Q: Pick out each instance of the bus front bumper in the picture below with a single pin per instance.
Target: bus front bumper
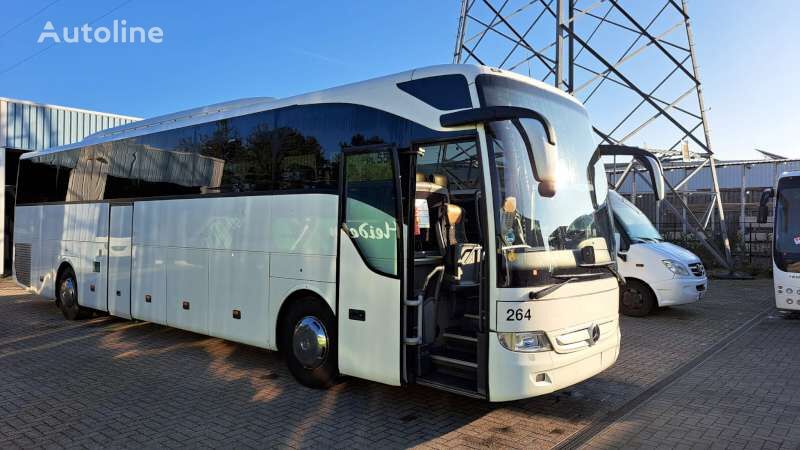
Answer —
(517, 375)
(785, 302)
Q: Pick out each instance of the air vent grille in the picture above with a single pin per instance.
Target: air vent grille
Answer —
(22, 263)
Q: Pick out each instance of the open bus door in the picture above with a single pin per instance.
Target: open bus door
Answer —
(370, 264)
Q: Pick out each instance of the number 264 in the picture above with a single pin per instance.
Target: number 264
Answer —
(518, 314)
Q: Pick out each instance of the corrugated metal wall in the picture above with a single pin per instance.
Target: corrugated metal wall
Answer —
(750, 240)
(758, 174)
(30, 126)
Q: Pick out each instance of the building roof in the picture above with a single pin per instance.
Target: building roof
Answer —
(66, 108)
(26, 125)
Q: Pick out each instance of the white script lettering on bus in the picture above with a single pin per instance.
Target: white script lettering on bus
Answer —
(367, 231)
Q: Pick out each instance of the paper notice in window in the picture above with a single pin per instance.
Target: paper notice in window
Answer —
(424, 216)
(797, 240)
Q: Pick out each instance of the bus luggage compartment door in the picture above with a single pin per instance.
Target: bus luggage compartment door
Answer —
(119, 260)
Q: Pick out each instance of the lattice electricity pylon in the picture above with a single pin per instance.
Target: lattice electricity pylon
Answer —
(633, 66)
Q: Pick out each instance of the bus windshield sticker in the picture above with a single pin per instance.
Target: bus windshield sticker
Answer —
(422, 213)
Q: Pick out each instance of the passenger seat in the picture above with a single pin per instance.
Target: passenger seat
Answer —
(464, 258)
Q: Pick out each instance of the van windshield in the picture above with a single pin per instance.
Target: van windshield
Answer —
(632, 220)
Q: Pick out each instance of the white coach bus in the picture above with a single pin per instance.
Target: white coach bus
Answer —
(428, 227)
(785, 239)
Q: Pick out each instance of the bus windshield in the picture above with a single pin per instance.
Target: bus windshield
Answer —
(633, 221)
(787, 225)
(540, 239)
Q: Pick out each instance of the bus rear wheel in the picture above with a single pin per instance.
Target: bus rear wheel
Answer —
(309, 343)
(636, 299)
(67, 296)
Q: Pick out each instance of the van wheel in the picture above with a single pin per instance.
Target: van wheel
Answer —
(309, 343)
(636, 299)
(67, 296)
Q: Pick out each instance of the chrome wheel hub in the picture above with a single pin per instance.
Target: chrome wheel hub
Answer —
(69, 294)
(310, 342)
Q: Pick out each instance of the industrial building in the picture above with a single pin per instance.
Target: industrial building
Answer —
(741, 183)
(27, 126)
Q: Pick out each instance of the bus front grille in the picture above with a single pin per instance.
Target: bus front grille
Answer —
(22, 263)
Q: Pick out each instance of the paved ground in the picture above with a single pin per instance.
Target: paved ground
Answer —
(109, 383)
(745, 396)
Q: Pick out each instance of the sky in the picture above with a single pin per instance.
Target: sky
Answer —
(215, 51)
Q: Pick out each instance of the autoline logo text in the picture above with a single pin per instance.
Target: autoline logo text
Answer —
(119, 33)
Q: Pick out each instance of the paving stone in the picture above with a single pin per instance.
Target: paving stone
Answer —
(109, 383)
(738, 387)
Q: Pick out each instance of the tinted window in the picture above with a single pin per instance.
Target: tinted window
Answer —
(244, 146)
(444, 92)
(39, 183)
(292, 148)
(371, 208)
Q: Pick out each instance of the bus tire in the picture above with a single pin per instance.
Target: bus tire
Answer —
(636, 299)
(309, 343)
(67, 296)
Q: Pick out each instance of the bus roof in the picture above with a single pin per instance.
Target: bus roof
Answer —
(377, 92)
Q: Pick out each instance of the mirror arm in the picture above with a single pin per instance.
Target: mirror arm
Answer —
(766, 195)
(641, 155)
(496, 114)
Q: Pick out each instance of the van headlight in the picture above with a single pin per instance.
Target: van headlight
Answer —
(529, 342)
(676, 267)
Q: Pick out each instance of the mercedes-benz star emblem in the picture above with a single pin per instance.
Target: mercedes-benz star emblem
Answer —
(594, 330)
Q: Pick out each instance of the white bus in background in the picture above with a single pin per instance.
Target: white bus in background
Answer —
(416, 228)
(657, 273)
(785, 239)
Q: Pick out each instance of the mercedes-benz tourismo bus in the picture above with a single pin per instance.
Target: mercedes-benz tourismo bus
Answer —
(427, 227)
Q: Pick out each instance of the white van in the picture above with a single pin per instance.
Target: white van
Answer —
(657, 273)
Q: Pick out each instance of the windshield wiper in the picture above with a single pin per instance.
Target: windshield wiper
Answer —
(610, 267)
(549, 290)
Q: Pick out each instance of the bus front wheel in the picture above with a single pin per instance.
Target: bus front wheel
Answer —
(67, 296)
(309, 343)
(636, 299)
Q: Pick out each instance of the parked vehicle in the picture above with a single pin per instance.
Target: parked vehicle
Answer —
(415, 228)
(657, 273)
(785, 239)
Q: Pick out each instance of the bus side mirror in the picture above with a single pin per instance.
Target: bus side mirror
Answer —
(643, 157)
(653, 166)
(544, 151)
(545, 156)
(763, 210)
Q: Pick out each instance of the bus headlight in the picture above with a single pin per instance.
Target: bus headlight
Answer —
(529, 342)
(676, 267)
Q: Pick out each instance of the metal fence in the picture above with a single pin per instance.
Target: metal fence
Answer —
(751, 242)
